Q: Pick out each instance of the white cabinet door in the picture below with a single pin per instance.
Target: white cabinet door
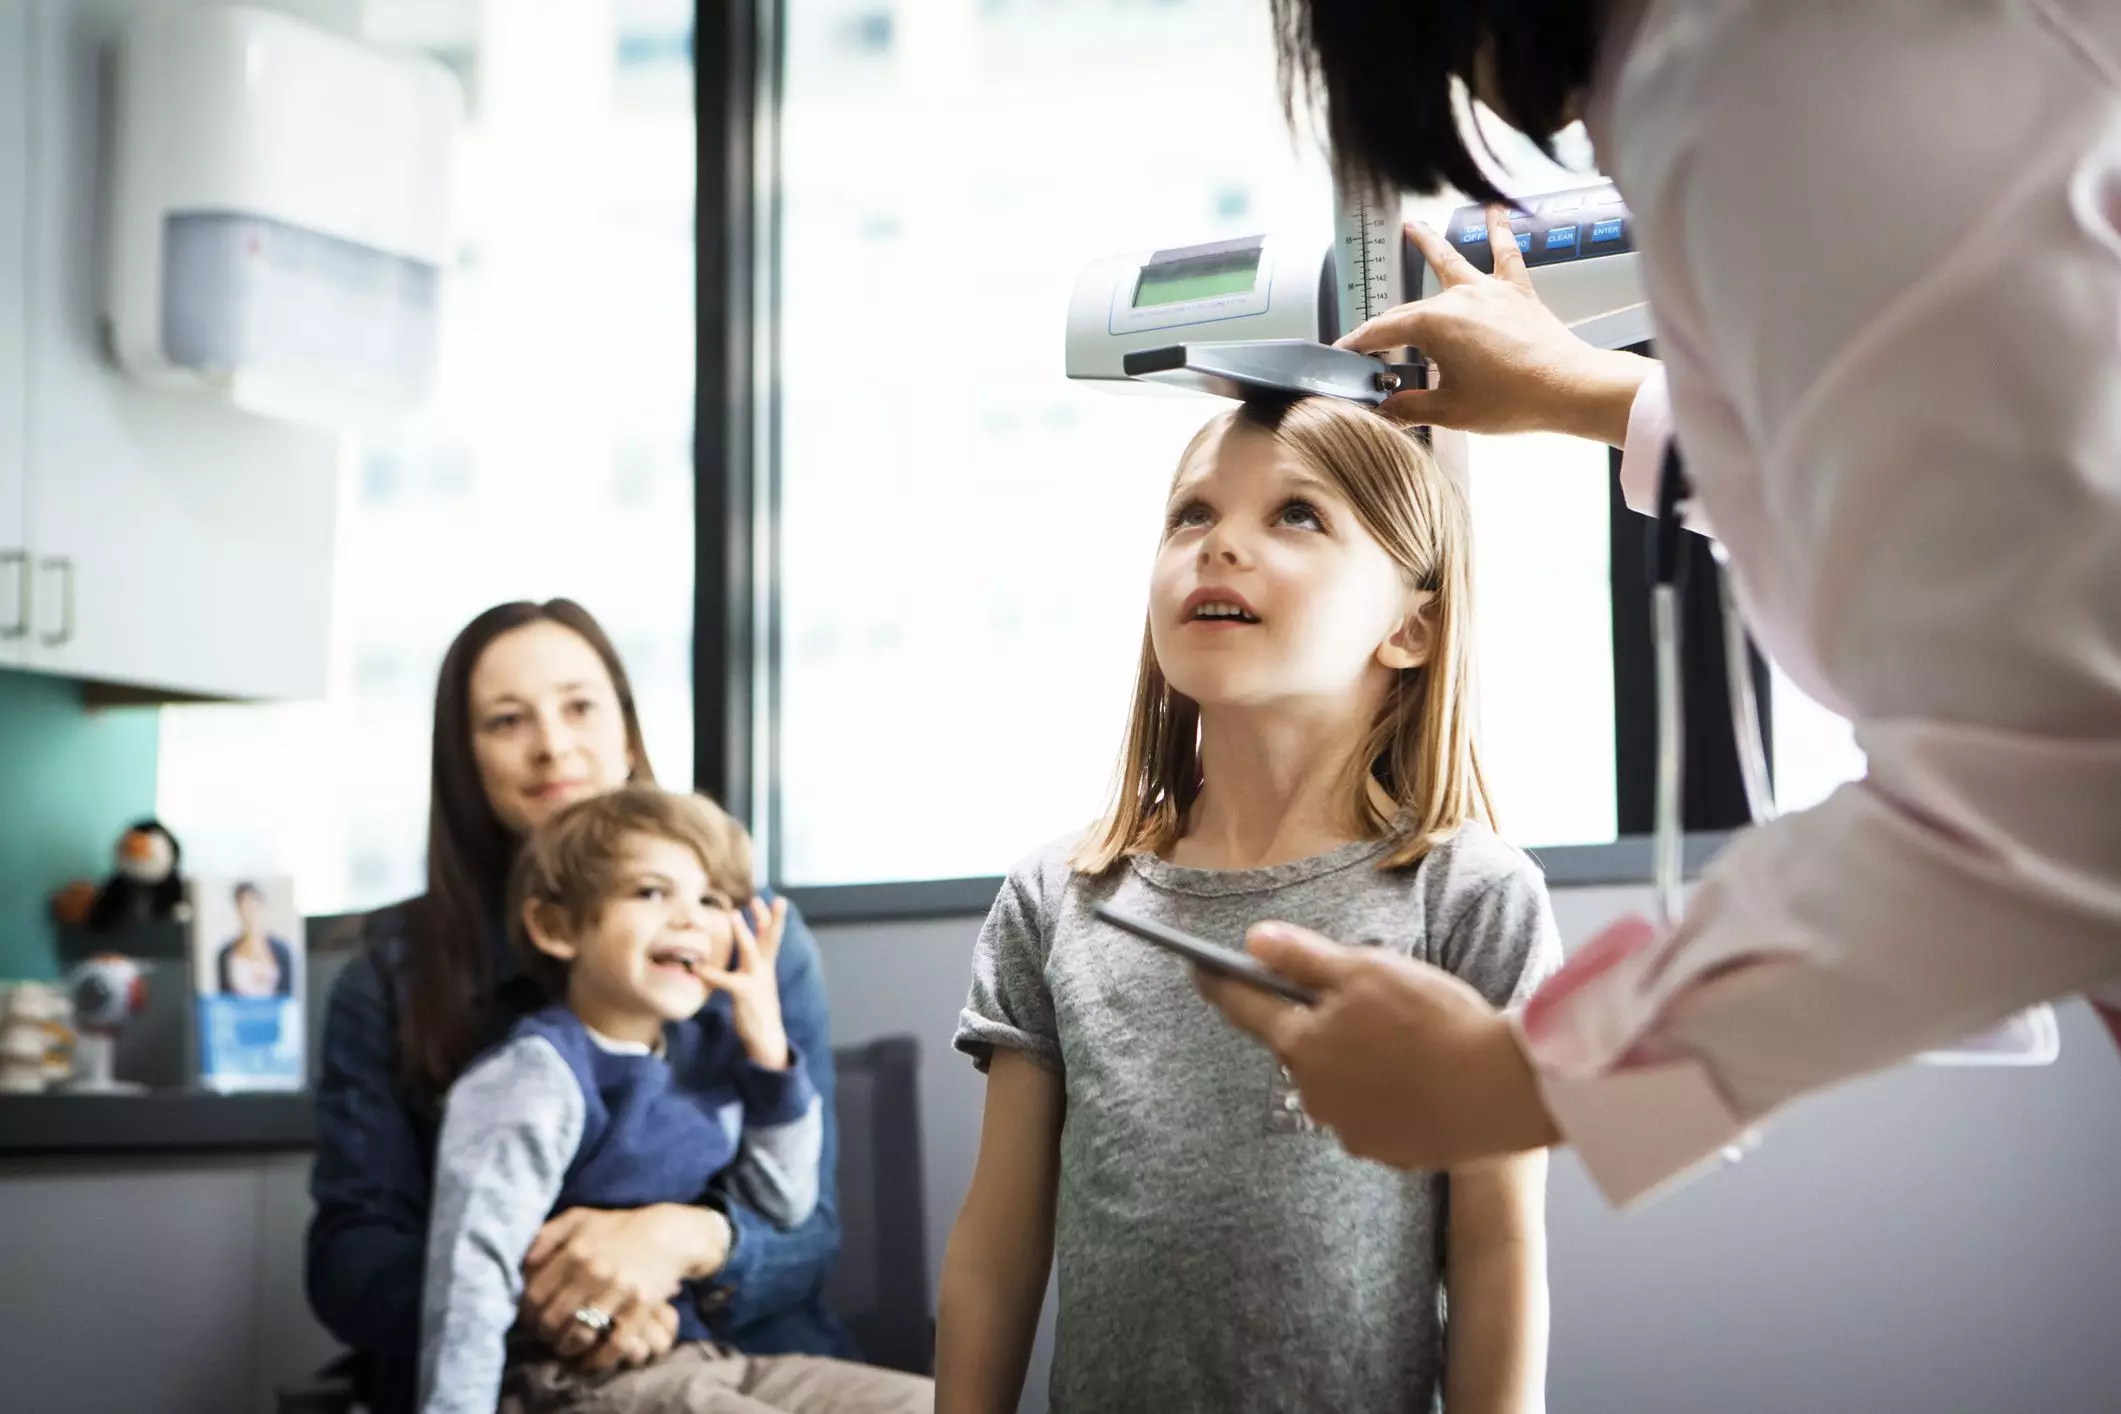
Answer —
(14, 283)
(180, 545)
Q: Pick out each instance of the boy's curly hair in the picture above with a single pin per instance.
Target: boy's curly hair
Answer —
(570, 865)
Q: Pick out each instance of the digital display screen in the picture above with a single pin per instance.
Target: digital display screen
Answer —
(1197, 277)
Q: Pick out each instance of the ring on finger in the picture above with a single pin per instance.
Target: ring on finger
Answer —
(595, 1319)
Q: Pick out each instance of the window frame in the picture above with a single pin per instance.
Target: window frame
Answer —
(738, 54)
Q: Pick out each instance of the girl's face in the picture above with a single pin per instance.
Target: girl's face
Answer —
(1269, 590)
(546, 724)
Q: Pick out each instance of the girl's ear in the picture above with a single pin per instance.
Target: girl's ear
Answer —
(545, 925)
(1410, 644)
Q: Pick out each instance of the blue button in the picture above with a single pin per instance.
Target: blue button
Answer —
(1604, 231)
(1562, 238)
(1524, 240)
(1473, 235)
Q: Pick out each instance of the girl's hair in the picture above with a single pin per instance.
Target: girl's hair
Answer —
(1383, 73)
(571, 863)
(1417, 776)
(446, 977)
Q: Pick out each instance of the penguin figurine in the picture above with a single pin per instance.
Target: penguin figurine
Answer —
(145, 885)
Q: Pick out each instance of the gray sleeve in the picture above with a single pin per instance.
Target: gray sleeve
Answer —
(510, 1128)
(776, 1167)
(1505, 942)
(1009, 1005)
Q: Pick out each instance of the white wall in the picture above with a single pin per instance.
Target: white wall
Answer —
(1925, 1242)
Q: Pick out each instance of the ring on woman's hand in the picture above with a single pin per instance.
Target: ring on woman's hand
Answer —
(595, 1318)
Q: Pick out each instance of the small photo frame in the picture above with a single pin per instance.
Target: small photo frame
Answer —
(249, 974)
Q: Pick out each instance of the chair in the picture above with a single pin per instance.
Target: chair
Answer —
(879, 1286)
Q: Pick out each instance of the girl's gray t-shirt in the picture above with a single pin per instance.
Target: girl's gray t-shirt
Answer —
(1217, 1251)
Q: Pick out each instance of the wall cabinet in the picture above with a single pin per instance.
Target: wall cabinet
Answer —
(159, 540)
(15, 570)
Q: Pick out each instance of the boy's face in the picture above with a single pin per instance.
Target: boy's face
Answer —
(628, 971)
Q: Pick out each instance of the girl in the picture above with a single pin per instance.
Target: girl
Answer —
(1300, 747)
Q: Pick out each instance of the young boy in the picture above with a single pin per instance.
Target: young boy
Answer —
(630, 1090)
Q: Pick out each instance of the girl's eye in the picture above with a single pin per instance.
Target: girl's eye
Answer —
(1185, 516)
(1301, 515)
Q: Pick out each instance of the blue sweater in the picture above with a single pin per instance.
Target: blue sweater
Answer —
(557, 1117)
(375, 1157)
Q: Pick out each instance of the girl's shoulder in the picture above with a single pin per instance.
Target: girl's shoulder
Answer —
(1488, 919)
(1042, 878)
(1475, 859)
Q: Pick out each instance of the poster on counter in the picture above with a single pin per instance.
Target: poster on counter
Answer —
(248, 966)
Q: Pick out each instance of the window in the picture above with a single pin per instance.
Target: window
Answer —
(1544, 605)
(964, 537)
(556, 460)
(1814, 750)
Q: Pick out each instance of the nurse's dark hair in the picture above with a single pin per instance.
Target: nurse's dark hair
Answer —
(1381, 73)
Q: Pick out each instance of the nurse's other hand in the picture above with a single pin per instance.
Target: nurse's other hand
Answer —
(1404, 1062)
(1504, 362)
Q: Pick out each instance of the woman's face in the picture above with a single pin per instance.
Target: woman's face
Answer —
(546, 725)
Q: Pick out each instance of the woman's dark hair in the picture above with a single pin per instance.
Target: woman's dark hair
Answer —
(447, 977)
(1383, 72)
(247, 889)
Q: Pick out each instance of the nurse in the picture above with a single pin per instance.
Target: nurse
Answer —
(1891, 323)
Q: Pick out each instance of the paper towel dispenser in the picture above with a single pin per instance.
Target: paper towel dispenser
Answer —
(277, 214)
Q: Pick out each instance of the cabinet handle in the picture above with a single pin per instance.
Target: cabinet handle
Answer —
(19, 561)
(65, 632)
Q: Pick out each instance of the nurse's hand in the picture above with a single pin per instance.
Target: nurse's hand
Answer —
(1404, 1062)
(1504, 362)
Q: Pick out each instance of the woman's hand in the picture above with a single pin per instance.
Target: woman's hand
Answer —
(639, 1335)
(1504, 362)
(754, 991)
(626, 1264)
(1406, 1063)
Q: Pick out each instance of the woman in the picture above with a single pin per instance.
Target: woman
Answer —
(1883, 243)
(532, 710)
(254, 963)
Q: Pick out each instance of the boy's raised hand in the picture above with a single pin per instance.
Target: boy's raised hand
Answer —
(754, 990)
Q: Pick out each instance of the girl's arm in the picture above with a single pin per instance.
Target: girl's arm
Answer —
(994, 1271)
(1495, 1359)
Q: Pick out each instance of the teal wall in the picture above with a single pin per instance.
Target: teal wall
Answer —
(71, 779)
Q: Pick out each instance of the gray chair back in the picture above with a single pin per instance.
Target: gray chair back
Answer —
(880, 1285)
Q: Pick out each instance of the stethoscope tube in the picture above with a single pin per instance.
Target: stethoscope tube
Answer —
(1668, 845)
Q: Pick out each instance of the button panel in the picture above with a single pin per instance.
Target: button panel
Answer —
(1572, 225)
